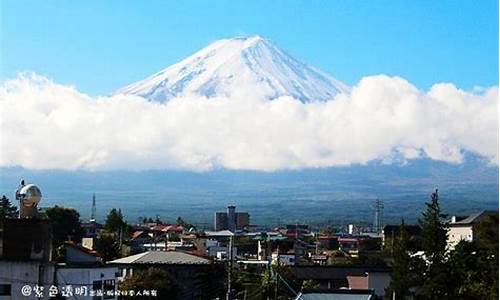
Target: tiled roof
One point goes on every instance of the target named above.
(473, 218)
(137, 234)
(333, 272)
(163, 257)
(173, 228)
(222, 233)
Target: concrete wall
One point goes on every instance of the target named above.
(18, 274)
(86, 277)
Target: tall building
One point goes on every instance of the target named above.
(231, 220)
(242, 220)
(220, 221)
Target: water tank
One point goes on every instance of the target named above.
(29, 196)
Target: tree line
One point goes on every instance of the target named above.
(428, 269)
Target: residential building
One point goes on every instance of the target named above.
(372, 279)
(389, 232)
(283, 259)
(220, 222)
(83, 269)
(466, 229)
(352, 277)
(183, 267)
(25, 258)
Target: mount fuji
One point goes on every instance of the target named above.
(251, 65)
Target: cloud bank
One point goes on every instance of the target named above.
(45, 125)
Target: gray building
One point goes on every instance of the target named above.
(231, 220)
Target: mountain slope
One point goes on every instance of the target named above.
(239, 66)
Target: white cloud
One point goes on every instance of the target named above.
(45, 125)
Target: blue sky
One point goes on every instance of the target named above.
(99, 46)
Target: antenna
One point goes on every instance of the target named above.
(93, 211)
(379, 209)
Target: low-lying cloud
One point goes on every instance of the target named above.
(45, 125)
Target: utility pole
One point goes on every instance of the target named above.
(229, 295)
(276, 273)
(379, 208)
(121, 237)
(93, 211)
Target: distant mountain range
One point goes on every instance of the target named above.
(337, 195)
(252, 65)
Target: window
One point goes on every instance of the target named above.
(5, 290)
(97, 286)
(109, 285)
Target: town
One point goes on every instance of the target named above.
(54, 252)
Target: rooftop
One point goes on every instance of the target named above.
(164, 258)
(474, 218)
(342, 294)
(222, 233)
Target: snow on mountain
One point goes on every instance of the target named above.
(228, 66)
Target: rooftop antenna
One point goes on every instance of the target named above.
(93, 211)
(377, 222)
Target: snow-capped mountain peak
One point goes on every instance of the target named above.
(228, 66)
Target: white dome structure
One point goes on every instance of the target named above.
(29, 196)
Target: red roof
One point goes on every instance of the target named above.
(173, 228)
(137, 234)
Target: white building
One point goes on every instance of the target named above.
(23, 279)
(466, 229)
(283, 259)
(86, 276)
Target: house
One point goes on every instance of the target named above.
(91, 229)
(283, 259)
(328, 242)
(76, 254)
(85, 267)
(26, 264)
(466, 229)
(320, 259)
(350, 245)
(346, 277)
(373, 279)
(184, 268)
(389, 232)
(25, 259)
(340, 294)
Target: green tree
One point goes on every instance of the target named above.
(107, 246)
(210, 281)
(434, 240)
(114, 221)
(65, 225)
(181, 222)
(474, 265)
(7, 209)
(403, 267)
(310, 284)
(151, 279)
